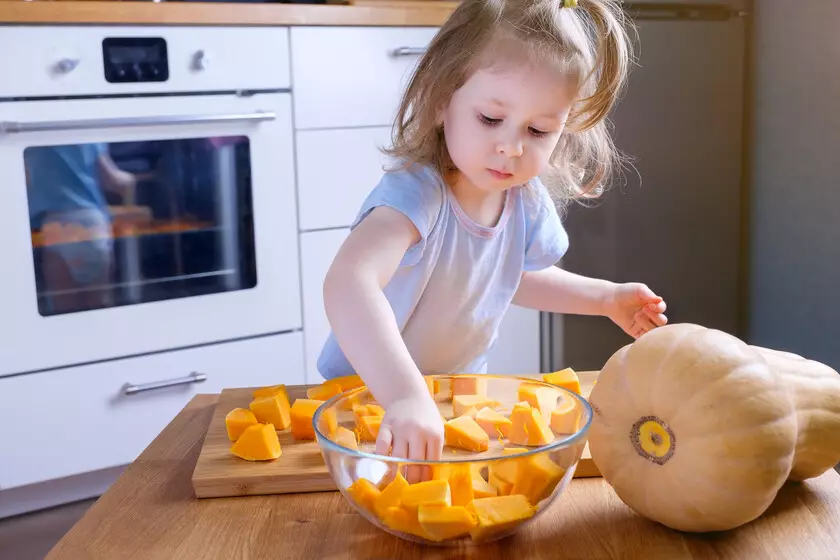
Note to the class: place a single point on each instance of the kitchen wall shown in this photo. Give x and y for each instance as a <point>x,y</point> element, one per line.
<point>794,301</point>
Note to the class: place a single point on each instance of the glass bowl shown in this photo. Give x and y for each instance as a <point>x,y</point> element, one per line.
<point>483,488</point>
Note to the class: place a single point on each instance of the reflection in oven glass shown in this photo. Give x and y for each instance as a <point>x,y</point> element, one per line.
<point>136,222</point>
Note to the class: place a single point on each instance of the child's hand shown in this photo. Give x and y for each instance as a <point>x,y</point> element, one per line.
<point>411,429</point>
<point>635,308</point>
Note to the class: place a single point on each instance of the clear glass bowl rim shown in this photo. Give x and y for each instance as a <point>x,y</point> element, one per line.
<point>568,441</point>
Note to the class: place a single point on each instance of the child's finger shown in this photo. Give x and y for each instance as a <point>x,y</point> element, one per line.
<point>658,307</point>
<point>384,440</point>
<point>656,318</point>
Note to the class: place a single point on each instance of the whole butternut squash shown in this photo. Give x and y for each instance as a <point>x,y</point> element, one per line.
<point>693,428</point>
<point>816,392</point>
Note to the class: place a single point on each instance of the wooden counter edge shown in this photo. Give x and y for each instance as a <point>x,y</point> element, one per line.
<point>231,14</point>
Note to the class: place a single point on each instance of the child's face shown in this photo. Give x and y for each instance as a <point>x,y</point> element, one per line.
<point>503,124</point>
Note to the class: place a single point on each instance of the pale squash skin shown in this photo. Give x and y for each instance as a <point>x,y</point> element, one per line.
<point>816,390</point>
<point>733,422</point>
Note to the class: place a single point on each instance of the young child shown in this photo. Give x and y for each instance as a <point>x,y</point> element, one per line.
<point>509,101</point>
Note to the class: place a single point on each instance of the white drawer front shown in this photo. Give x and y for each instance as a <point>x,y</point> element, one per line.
<point>317,249</point>
<point>349,76</point>
<point>232,54</point>
<point>76,420</point>
<point>336,171</point>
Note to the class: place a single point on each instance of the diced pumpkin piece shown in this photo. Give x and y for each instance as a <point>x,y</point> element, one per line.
<point>375,410</point>
<point>258,443</point>
<point>566,418</point>
<point>465,433</point>
<point>502,486</point>
<point>540,397</point>
<point>460,478</point>
<point>403,520</point>
<point>271,391</point>
<point>528,427</point>
<point>462,403</point>
<point>345,437</point>
<point>493,423</point>
<point>368,428</point>
<point>566,378</point>
<point>496,515</point>
<point>302,412</point>
<point>536,477</point>
<point>481,488</point>
<point>352,400</point>
<point>429,493</point>
<point>237,421</point>
<point>431,385</point>
<point>348,382</point>
<point>325,391</point>
<point>272,410</point>
<point>365,493</point>
<point>506,470</point>
<point>392,495</point>
<point>469,386</point>
<point>329,422</point>
<point>448,522</point>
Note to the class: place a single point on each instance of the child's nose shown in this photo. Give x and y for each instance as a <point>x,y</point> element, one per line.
<point>510,146</point>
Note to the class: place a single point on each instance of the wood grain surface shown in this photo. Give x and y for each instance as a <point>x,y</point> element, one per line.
<point>221,13</point>
<point>151,513</point>
<point>301,468</point>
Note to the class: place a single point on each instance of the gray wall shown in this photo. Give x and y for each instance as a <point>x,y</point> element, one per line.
<point>795,179</point>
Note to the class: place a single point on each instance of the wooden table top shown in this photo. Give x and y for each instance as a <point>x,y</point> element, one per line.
<point>377,14</point>
<point>151,513</point>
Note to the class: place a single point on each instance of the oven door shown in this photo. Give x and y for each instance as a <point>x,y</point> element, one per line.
<point>140,224</point>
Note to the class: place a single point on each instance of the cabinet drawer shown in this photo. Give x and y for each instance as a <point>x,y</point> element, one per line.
<point>317,251</point>
<point>76,420</point>
<point>351,76</point>
<point>340,167</point>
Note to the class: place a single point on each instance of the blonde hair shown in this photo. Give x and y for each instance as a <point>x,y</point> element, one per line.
<point>588,42</point>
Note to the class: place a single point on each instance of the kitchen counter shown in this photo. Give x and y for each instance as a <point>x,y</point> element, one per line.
<point>370,13</point>
<point>152,513</point>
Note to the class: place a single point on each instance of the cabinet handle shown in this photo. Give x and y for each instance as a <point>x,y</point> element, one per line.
<point>408,51</point>
<point>192,378</point>
<point>10,127</point>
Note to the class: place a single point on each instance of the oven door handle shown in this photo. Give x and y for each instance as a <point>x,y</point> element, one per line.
<point>11,127</point>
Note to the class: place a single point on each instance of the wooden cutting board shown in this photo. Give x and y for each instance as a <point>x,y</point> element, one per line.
<point>301,468</point>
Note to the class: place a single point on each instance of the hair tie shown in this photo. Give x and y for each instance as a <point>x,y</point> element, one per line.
<point>570,3</point>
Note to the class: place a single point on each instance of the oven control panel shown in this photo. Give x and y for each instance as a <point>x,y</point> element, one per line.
<point>135,59</point>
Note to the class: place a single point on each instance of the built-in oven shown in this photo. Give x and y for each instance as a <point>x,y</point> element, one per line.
<point>147,197</point>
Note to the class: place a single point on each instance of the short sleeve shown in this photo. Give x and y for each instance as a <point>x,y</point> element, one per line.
<point>546,238</point>
<point>418,195</point>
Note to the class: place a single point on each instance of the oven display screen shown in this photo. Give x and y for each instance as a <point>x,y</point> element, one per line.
<point>135,59</point>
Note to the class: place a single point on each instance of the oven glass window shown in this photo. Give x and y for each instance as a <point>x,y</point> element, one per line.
<point>136,222</point>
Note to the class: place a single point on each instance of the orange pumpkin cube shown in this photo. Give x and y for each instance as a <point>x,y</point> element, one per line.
<point>258,443</point>
<point>271,391</point>
<point>302,412</point>
<point>465,433</point>
<point>364,493</point>
<point>345,437</point>
<point>469,386</point>
<point>566,378</point>
<point>324,392</point>
<point>272,410</point>
<point>368,427</point>
<point>528,426</point>
<point>493,423</point>
<point>237,421</point>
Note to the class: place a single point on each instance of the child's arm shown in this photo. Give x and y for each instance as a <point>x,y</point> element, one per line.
<point>365,328</point>
<point>632,306</point>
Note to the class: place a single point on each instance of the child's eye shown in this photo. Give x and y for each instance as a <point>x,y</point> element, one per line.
<point>536,132</point>
<point>488,120</point>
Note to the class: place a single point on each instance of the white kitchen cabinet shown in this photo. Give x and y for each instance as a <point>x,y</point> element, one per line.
<point>517,350</point>
<point>337,168</point>
<point>352,76</point>
<point>71,421</point>
<point>317,251</point>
